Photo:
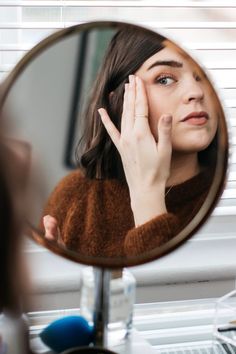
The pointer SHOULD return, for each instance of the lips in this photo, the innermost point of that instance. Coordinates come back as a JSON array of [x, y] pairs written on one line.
[[196, 118]]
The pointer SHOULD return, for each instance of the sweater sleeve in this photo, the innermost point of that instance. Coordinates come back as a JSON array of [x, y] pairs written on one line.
[[151, 235], [61, 200]]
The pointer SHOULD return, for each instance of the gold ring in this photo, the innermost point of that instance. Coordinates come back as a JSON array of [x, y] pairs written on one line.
[[137, 116]]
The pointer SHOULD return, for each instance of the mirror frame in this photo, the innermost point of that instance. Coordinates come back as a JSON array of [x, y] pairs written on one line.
[[200, 218]]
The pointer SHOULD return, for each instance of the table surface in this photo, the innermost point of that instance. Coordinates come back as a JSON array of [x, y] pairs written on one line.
[[177, 327]]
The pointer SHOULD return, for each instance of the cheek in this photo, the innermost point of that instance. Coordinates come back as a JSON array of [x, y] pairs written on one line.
[[155, 112], [160, 102], [214, 115], [157, 105], [214, 125]]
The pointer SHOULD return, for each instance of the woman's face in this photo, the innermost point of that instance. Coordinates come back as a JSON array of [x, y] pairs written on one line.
[[176, 85]]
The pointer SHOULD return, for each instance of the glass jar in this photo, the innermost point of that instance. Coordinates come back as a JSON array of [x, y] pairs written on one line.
[[13, 334], [121, 301]]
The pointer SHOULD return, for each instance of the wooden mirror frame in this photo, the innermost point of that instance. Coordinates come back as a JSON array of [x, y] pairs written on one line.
[[200, 218]]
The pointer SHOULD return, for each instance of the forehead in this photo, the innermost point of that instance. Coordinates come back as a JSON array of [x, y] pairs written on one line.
[[171, 52]]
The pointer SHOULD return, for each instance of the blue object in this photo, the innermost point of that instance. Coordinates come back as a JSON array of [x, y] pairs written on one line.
[[66, 333]]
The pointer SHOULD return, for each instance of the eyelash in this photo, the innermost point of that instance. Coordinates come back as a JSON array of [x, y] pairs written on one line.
[[199, 77], [164, 76]]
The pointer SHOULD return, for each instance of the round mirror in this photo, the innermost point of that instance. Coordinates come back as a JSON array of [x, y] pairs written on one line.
[[128, 142]]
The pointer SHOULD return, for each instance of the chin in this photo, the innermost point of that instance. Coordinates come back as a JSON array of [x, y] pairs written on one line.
[[192, 147], [193, 140]]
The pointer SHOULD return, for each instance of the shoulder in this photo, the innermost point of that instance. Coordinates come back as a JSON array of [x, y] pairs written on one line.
[[69, 186], [72, 179]]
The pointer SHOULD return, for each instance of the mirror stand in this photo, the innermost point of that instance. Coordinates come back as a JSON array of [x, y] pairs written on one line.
[[101, 309]]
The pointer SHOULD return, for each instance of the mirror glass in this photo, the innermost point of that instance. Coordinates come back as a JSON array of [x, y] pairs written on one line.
[[128, 183]]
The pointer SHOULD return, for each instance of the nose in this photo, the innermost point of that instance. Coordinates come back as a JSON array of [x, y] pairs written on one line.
[[193, 91]]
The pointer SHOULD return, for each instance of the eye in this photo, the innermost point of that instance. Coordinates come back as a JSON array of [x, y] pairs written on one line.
[[165, 80], [197, 77], [200, 76]]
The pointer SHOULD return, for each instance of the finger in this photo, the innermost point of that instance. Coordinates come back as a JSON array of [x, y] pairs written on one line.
[[141, 105], [125, 104], [110, 127], [131, 102], [60, 240], [164, 136], [51, 227], [129, 106]]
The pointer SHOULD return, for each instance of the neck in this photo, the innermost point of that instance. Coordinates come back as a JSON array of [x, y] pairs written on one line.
[[183, 167]]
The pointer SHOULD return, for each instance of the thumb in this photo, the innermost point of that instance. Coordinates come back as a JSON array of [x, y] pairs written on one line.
[[164, 145], [164, 132], [51, 227]]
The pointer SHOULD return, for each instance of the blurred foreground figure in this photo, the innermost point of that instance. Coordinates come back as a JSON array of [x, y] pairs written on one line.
[[14, 159]]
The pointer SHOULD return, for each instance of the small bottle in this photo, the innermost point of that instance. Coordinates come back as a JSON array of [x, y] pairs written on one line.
[[3, 349], [13, 334], [122, 298]]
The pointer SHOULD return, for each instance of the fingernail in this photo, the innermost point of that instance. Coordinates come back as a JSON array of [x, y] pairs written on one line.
[[131, 79], [138, 81], [100, 111], [167, 119], [101, 114]]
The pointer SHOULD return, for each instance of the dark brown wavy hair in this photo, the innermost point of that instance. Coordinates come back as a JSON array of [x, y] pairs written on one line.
[[130, 47]]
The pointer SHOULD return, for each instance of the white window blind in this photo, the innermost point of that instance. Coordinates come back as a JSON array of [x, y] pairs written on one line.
[[206, 28]]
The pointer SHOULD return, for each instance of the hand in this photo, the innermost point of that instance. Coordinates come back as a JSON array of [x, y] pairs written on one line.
[[146, 163], [52, 231]]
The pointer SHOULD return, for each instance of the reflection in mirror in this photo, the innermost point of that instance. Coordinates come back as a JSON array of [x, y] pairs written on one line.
[[141, 125]]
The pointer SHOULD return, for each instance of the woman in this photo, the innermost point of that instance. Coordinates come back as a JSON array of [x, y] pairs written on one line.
[[14, 160], [151, 127]]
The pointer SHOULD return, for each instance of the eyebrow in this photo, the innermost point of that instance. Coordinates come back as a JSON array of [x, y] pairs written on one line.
[[172, 63]]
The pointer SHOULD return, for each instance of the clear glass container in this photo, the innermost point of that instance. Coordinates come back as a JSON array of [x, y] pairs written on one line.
[[13, 334], [225, 319], [122, 298]]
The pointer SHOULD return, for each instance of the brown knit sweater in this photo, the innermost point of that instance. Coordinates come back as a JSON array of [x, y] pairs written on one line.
[[95, 217]]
